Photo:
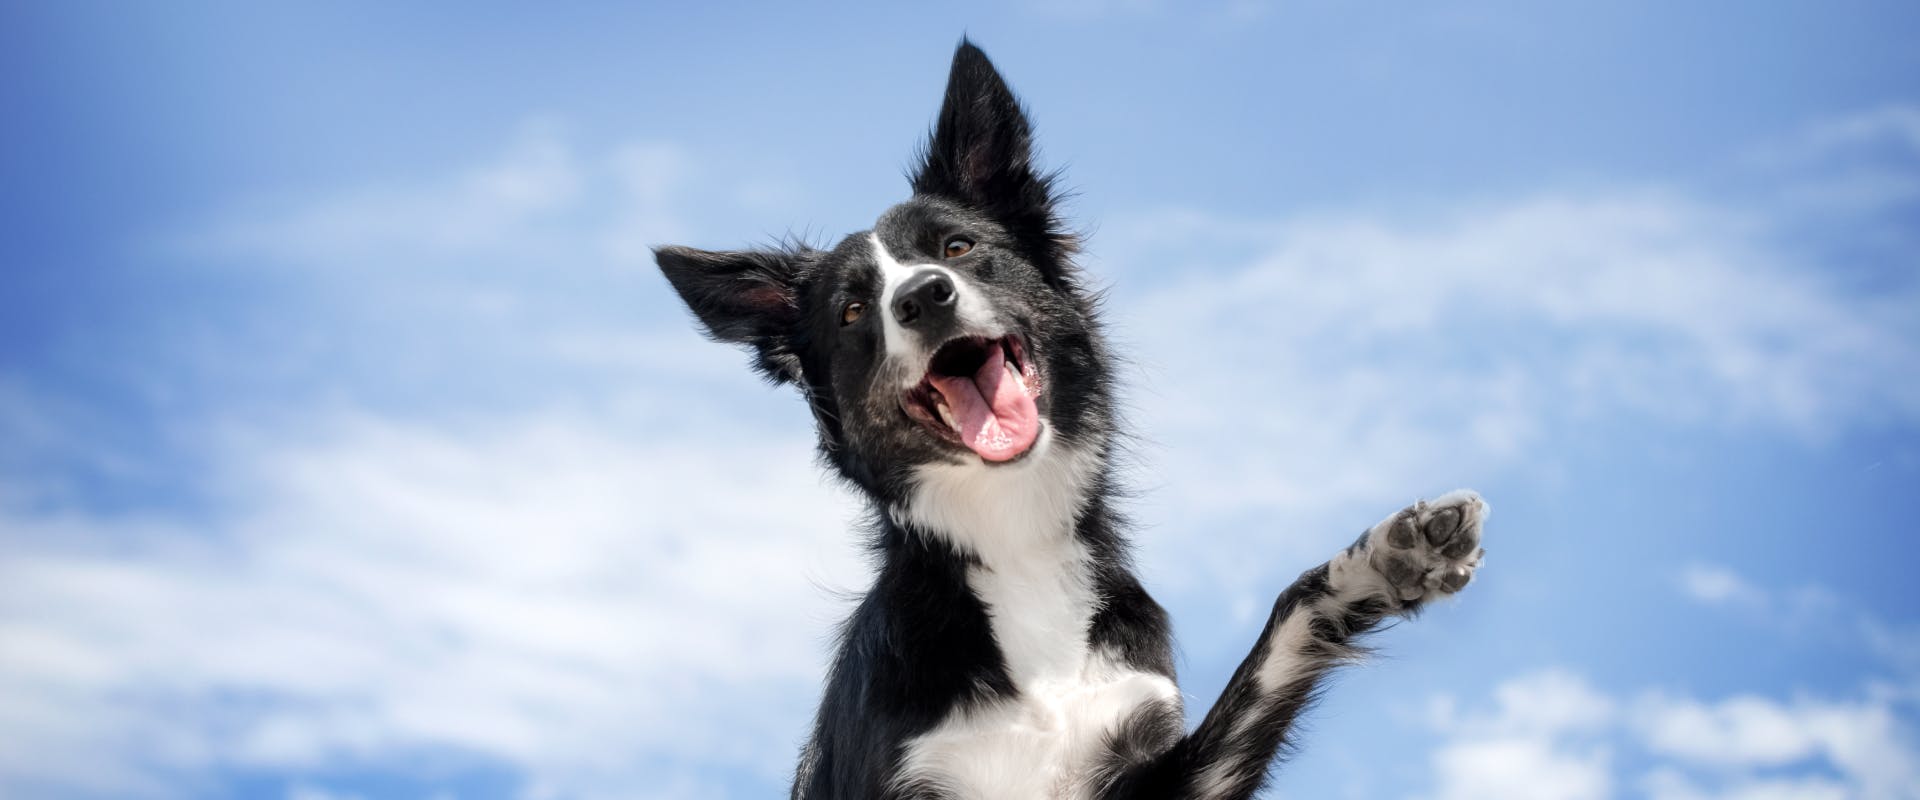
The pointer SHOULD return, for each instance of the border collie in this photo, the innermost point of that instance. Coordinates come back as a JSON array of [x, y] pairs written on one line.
[[954, 363]]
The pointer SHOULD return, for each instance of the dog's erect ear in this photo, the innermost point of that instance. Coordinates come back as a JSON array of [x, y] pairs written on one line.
[[743, 297], [981, 154], [982, 145]]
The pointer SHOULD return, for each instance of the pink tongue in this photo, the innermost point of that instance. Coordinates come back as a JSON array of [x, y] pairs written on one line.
[[997, 419]]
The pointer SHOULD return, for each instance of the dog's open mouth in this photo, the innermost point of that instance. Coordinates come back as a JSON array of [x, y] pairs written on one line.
[[978, 393]]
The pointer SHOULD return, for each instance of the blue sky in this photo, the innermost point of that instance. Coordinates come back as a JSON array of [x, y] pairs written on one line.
[[350, 445]]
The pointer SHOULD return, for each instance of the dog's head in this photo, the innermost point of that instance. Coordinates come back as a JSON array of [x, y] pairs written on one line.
[[953, 332]]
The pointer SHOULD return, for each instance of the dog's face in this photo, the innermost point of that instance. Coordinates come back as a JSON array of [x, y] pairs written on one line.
[[954, 331]]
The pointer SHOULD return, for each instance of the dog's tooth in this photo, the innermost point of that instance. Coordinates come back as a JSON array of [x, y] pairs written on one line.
[[1018, 379], [946, 415]]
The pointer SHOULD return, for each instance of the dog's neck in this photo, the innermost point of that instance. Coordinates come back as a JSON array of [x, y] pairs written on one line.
[[1032, 570], [1001, 513]]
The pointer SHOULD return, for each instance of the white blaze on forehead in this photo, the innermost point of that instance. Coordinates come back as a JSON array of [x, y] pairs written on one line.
[[975, 316], [892, 274]]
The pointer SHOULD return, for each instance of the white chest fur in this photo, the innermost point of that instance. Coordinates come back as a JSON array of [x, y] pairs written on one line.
[[1044, 744], [1018, 519]]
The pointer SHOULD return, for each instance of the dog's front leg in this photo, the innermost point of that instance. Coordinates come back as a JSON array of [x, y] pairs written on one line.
[[1427, 550]]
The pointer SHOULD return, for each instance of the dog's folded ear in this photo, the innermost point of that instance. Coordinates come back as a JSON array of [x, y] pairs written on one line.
[[981, 154], [741, 297]]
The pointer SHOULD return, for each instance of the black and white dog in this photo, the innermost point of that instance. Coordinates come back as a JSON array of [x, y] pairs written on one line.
[[953, 360]]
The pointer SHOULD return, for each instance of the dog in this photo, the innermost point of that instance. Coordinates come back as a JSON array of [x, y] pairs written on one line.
[[954, 363]]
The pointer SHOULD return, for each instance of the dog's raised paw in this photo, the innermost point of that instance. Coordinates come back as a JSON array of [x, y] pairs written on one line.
[[1430, 548]]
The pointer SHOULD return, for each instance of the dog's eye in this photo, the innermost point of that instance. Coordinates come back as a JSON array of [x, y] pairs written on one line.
[[852, 312], [957, 247]]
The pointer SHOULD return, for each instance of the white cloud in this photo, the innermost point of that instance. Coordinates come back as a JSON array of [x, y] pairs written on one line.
[[581, 592], [1894, 125], [1864, 741], [1807, 612], [1340, 366], [585, 579], [1897, 644], [1532, 315], [543, 208], [1672, 784], [485, 207], [1541, 704], [1869, 741], [1717, 585], [1551, 734], [1738, 731], [649, 174], [1533, 744], [1493, 769], [1857, 170], [543, 592]]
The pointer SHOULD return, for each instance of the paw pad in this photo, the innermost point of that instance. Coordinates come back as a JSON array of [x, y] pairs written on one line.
[[1430, 548]]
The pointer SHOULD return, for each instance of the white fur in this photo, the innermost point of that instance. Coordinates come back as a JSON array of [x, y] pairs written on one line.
[[1286, 659], [973, 312], [1042, 745], [1351, 578], [1018, 519], [1218, 779], [892, 274], [1286, 655]]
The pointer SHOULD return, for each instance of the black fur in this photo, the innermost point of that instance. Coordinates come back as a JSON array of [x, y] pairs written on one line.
[[921, 646]]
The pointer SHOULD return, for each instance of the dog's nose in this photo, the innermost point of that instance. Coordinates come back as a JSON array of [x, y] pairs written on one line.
[[926, 298]]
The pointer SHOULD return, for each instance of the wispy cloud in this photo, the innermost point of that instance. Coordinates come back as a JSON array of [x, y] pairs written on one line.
[[1555, 729], [542, 558], [1863, 739], [1673, 784], [1718, 585], [1804, 610], [1521, 748], [1895, 126], [586, 575], [541, 593], [1329, 368], [496, 204], [1552, 734]]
